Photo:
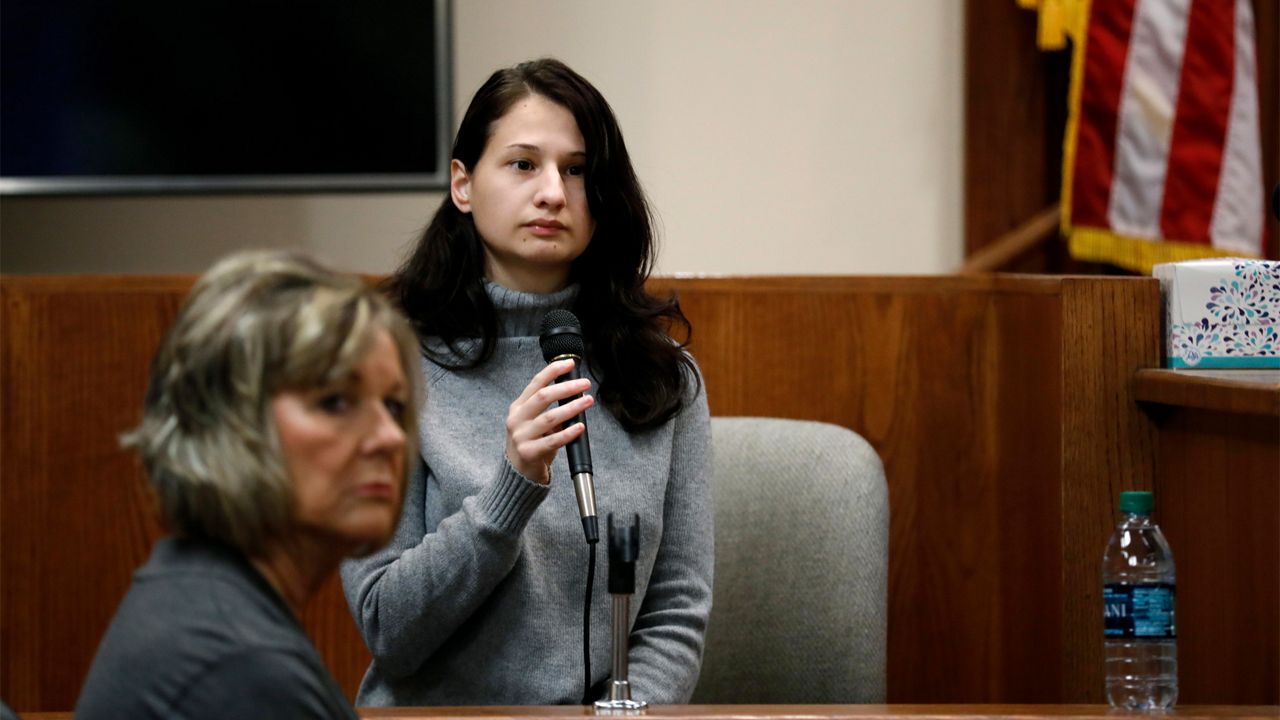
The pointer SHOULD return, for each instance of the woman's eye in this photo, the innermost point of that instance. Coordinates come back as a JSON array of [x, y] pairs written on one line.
[[577, 170], [395, 408], [523, 165], [334, 403]]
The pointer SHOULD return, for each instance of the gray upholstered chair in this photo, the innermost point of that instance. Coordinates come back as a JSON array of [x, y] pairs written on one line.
[[802, 556]]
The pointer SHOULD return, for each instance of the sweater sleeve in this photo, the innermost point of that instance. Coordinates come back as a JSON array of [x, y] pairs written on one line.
[[409, 597], [667, 638]]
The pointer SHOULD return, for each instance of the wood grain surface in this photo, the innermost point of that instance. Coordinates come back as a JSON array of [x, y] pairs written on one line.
[[1255, 392], [1015, 99], [799, 712], [1108, 447], [76, 519], [1218, 501], [1217, 490]]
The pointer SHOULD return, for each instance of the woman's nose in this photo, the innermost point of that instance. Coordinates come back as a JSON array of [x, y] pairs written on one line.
[[551, 191], [386, 435]]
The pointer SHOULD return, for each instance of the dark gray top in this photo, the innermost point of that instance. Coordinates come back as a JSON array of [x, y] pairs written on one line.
[[201, 634]]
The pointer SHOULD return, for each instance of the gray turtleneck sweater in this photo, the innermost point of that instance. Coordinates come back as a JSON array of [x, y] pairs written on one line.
[[478, 598]]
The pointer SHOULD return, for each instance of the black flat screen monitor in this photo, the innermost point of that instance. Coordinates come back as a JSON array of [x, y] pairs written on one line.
[[161, 96]]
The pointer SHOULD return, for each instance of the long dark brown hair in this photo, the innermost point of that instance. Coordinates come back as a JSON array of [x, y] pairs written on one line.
[[643, 373]]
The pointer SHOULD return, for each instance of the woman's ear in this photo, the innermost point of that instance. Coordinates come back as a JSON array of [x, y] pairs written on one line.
[[460, 185]]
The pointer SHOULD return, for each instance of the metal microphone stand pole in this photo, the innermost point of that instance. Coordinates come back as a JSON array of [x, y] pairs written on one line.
[[624, 548]]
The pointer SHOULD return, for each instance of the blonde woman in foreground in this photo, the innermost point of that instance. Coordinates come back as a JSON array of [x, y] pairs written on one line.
[[276, 431]]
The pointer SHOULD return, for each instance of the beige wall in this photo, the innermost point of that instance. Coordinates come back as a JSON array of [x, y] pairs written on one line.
[[811, 136]]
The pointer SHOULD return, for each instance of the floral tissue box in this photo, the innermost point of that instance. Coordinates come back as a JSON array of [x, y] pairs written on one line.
[[1221, 313]]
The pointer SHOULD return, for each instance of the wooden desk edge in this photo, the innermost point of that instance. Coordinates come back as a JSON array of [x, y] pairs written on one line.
[[1254, 392], [795, 712], [820, 712]]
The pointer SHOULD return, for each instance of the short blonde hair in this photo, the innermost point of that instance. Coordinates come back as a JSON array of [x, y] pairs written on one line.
[[256, 324]]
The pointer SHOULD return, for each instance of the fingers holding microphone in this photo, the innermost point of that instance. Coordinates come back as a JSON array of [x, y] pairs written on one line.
[[535, 420]]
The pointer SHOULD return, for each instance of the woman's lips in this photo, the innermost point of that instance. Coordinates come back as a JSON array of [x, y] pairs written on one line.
[[545, 228], [377, 489]]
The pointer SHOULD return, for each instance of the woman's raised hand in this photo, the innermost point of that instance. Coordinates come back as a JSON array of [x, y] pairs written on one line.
[[535, 423]]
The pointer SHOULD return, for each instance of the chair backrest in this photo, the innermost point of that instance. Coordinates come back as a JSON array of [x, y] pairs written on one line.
[[800, 610]]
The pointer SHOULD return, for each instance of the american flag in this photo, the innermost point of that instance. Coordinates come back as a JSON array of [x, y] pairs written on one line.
[[1163, 158]]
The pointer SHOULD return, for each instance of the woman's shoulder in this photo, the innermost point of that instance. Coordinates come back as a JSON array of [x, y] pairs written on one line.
[[691, 375], [279, 682], [211, 591], [192, 608]]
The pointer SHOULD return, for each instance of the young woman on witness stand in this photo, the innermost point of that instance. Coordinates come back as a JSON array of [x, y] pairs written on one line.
[[277, 431], [478, 600]]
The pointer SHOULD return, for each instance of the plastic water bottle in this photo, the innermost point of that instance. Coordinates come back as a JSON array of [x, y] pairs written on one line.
[[1138, 611]]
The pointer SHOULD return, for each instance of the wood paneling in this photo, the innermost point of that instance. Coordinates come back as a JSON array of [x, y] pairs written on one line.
[[1000, 408], [1217, 491], [1015, 115], [1108, 445], [76, 521], [999, 404], [1218, 497], [328, 621]]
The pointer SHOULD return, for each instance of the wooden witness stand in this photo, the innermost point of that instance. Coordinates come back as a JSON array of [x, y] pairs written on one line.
[[1004, 409]]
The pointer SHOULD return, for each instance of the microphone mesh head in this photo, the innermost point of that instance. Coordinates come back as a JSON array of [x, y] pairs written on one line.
[[561, 335]]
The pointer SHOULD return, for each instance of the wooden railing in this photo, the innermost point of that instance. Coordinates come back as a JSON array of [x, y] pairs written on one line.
[[1040, 229]]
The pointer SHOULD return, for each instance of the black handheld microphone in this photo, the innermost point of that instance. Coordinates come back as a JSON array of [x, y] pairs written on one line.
[[561, 338]]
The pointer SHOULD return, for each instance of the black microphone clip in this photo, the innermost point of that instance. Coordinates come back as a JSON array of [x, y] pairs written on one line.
[[624, 550]]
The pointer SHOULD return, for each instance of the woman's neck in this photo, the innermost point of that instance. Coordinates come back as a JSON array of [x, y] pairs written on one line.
[[519, 314], [539, 281], [296, 568]]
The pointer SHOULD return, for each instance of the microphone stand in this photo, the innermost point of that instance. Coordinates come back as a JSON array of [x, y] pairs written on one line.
[[624, 548]]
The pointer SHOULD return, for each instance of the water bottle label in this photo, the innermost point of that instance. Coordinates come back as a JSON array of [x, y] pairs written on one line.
[[1138, 611]]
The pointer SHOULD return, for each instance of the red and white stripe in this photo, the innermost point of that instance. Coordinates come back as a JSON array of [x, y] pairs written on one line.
[[1239, 207], [1168, 144]]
